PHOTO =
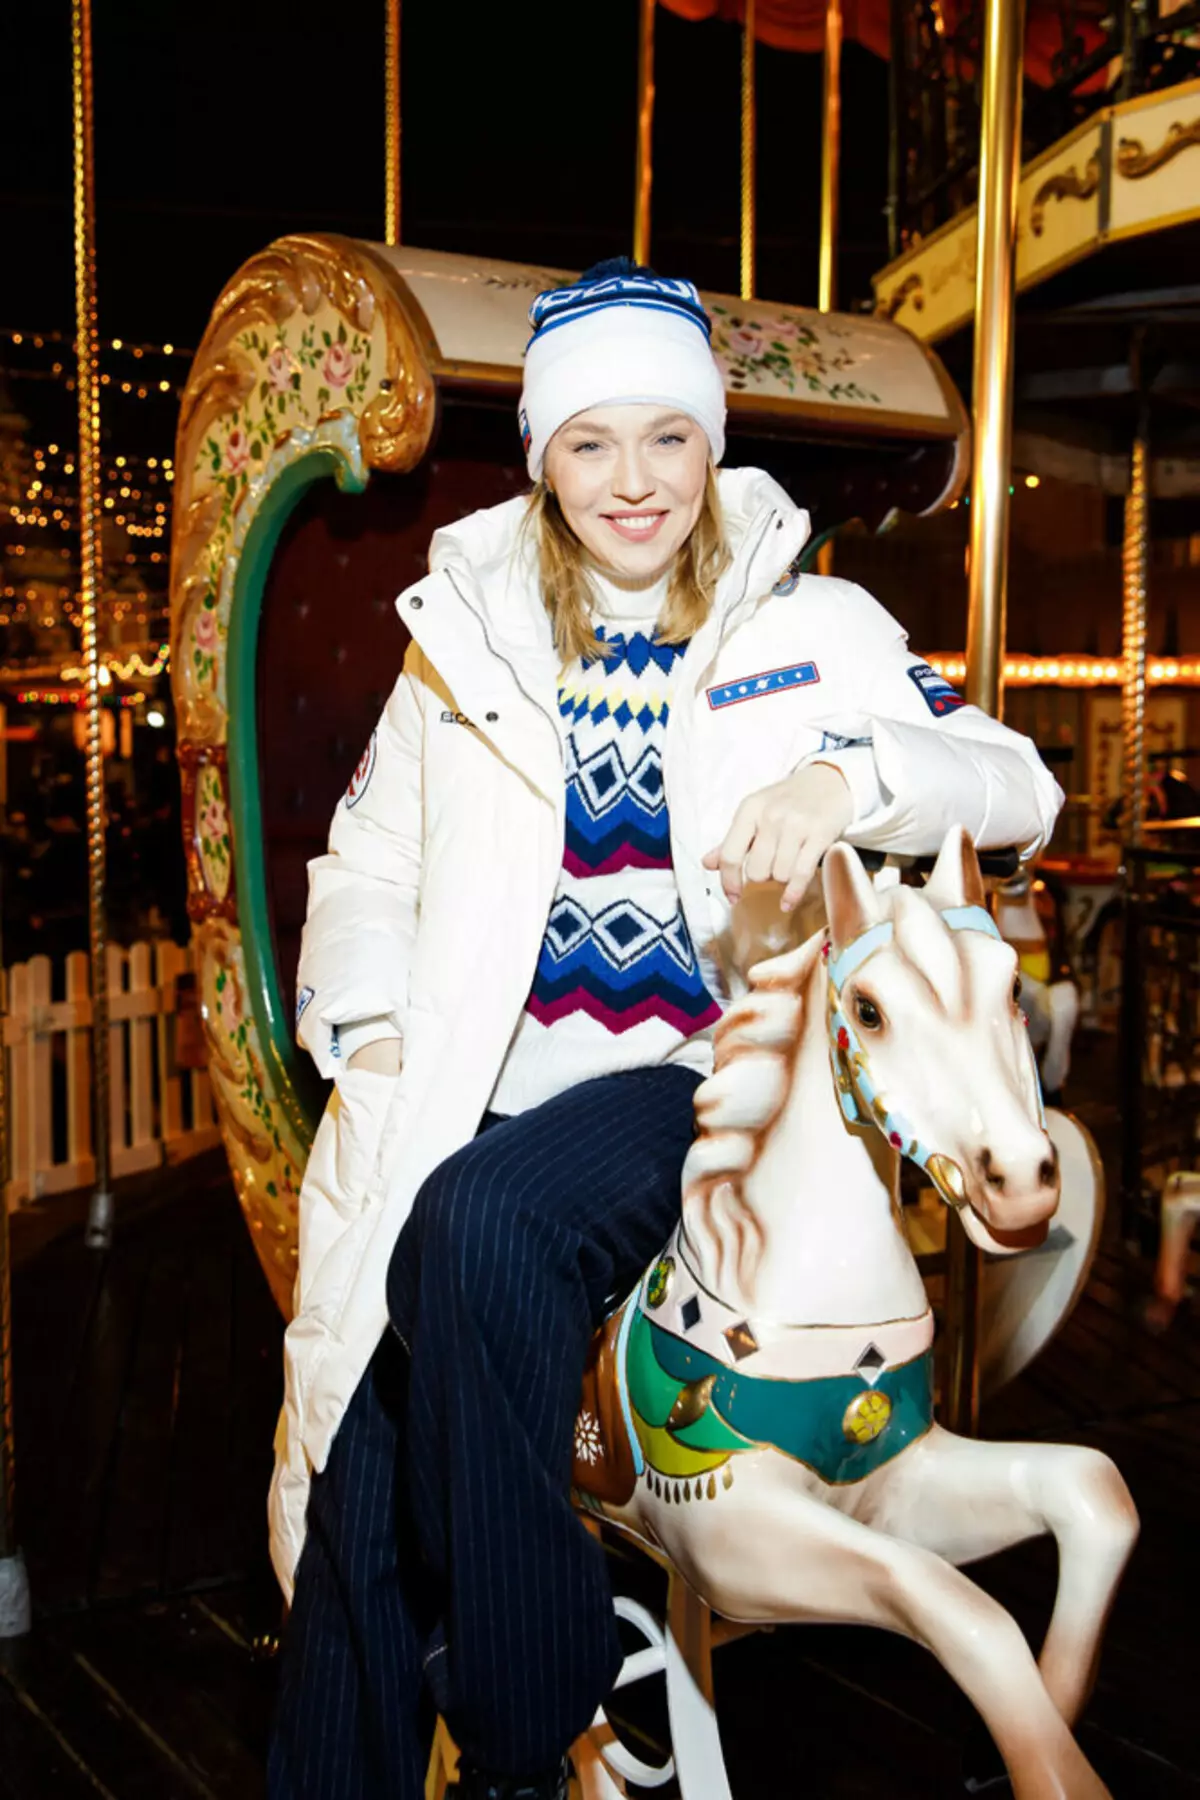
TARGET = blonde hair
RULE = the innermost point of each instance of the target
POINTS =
(569, 595)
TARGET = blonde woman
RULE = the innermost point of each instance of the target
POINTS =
(622, 703)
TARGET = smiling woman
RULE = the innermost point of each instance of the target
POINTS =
(623, 701)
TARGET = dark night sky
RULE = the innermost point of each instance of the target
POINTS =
(224, 124)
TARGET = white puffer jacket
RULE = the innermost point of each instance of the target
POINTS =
(430, 907)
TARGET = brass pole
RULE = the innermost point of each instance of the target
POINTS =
(91, 574)
(391, 77)
(831, 155)
(749, 134)
(1134, 564)
(643, 177)
(999, 174)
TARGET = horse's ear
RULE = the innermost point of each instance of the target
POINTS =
(851, 904)
(956, 880)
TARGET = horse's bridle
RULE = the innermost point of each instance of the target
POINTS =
(861, 1101)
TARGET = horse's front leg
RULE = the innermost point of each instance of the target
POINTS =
(966, 1499)
(767, 1552)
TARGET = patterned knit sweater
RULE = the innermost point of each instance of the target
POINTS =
(617, 985)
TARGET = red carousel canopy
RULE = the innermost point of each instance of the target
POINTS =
(800, 25)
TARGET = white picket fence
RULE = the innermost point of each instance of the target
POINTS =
(157, 1110)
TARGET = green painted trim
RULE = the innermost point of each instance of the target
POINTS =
(285, 1072)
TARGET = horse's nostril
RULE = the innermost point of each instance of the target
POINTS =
(993, 1176)
(1049, 1171)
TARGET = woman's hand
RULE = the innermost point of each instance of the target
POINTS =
(782, 832)
(380, 1058)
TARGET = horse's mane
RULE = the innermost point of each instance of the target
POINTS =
(755, 1048)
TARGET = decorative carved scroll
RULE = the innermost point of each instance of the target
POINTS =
(1135, 162)
(911, 288)
(1065, 184)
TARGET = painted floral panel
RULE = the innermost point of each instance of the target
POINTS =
(212, 830)
(766, 351)
(307, 370)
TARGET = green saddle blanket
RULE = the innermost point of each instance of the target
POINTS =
(692, 1413)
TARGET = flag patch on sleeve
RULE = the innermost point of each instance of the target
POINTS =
(754, 687)
(934, 690)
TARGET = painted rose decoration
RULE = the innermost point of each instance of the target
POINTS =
(788, 352)
(237, 450)
(338, 366)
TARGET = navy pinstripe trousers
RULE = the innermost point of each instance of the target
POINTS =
(444, 1566)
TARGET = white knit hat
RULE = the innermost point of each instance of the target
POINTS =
(618, 335)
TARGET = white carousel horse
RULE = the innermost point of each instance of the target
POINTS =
(758, 1415)
(1052, 1007)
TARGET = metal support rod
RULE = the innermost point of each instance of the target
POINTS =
(643, 178)
(831, 155)
(831, 158)
(749, 146)
(999, 174)
(391, 80)
(1134, 566)
(91, 574)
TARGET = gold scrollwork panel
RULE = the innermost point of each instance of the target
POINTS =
(1135, 162)
(1065, 184)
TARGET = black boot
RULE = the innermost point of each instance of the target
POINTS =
(477, 1784)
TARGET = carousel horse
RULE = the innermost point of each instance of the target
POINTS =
(758, 1415)
(1051, 1007)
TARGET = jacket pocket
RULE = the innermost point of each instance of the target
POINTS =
(364, 1102)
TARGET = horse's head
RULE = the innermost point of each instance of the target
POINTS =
(929, 1043)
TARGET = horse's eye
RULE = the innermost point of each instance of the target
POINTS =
(1016, 997)
(867, 1013)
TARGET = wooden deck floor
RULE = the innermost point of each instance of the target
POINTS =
(147, 1385)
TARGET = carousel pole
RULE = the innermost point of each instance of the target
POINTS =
(831, 156)
(391, 77)
(91, 571)
(995, 270)
(1134, 573)
(1135, 561)
(749, 136)
(14, 1579)
(643, 178)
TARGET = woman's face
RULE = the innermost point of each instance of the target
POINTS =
(630, 481)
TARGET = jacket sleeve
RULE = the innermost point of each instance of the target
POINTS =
(364, 894)
(916, 758)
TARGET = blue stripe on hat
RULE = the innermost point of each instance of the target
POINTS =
(618, 282)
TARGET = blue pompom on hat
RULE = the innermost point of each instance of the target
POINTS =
(619, 335)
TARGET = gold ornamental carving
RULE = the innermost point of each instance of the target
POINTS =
(911, 288)
(1065, 184)
(1135, 162)
(297, 281)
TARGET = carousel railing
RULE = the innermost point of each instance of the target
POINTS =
(1106, 54)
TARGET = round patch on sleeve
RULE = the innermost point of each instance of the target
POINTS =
(361, 778)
